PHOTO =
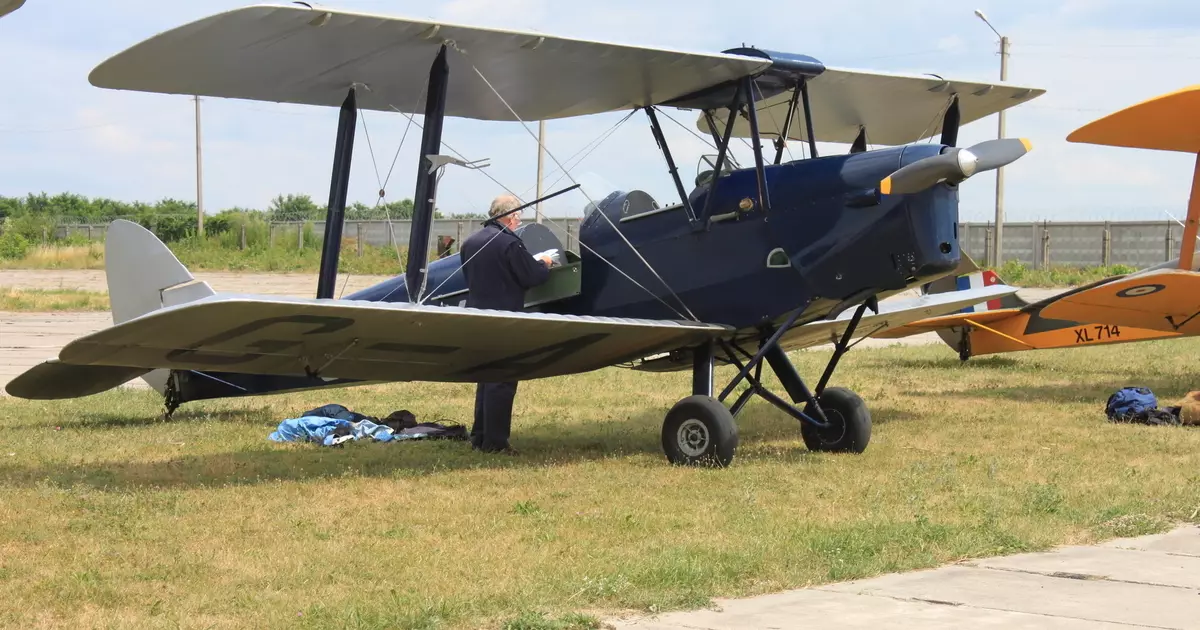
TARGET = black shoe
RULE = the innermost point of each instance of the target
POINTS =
(503, 450)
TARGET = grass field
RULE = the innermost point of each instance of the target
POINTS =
(210, 255)
(114, 518)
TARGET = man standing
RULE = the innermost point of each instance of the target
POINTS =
(499, 270)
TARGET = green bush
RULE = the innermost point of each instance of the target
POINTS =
(13, 246)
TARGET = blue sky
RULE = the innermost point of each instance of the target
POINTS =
(60, 134)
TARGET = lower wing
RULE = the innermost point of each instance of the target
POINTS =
(371, 341)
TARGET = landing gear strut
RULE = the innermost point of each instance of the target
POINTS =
(700, 430)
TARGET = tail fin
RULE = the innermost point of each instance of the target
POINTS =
(968, 275)
(143, 276)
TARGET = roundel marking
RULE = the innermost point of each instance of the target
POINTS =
(1139, 291)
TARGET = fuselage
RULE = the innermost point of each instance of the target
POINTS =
(835, 237)
(827, 241)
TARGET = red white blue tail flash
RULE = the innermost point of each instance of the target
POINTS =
(978, 280)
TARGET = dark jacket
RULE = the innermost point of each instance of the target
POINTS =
(500, 271)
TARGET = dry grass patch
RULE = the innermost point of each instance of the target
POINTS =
(113, 517)
(51, 300)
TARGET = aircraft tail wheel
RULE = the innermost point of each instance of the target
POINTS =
(850, 424)
(699, 430)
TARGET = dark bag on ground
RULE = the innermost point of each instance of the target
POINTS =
(1139, 405)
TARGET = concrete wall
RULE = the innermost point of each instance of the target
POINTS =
(1135, 243)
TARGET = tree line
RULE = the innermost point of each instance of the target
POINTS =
(36, 215)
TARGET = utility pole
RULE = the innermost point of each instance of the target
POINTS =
(1000, 171)
(541, 154)
(199, 176)
(997, 245)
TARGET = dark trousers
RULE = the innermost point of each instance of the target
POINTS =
(493, 415)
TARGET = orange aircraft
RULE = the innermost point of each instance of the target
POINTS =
(1156, 303)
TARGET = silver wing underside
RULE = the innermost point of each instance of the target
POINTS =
(311, 56)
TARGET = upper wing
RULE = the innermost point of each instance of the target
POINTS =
(1166, 300)
(1166, 123)
(375, 341)
(895, 109)
(293, 54)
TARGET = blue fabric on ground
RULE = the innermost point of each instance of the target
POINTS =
(308, 429)
(321, 429)
(333, 424)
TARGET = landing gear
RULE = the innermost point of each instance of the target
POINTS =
(701, 430)
(964, 344)
(849, 428)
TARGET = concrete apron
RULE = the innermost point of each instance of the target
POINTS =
(1144, 582)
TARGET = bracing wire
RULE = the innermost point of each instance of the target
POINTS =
(556, 224)
(581, 188)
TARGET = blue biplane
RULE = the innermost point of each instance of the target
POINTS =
(751, 263)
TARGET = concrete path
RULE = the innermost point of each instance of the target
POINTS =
(1145, 582)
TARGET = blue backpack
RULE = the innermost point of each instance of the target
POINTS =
(1130, 401)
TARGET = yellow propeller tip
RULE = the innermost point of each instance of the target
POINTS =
(885, 186)
(1028, 145)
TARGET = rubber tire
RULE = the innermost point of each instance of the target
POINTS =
(715, 427)
(851, 430)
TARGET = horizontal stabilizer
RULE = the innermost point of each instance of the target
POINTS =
(55, 380)
(376, 341)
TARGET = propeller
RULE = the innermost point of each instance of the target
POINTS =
(954, 165)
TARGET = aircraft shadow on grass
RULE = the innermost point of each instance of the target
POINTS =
(540, 445)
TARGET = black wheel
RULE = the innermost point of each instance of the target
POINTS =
(849, 420)
(699, 430)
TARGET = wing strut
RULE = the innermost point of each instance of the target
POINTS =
(427, 178)
(722, 150)
(781, 141)
(764, 195)
(656, 129)
(339, 186)
(950, 123)
(1188, 249)
(808, 121)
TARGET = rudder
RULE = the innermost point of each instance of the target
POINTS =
(144, 275)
